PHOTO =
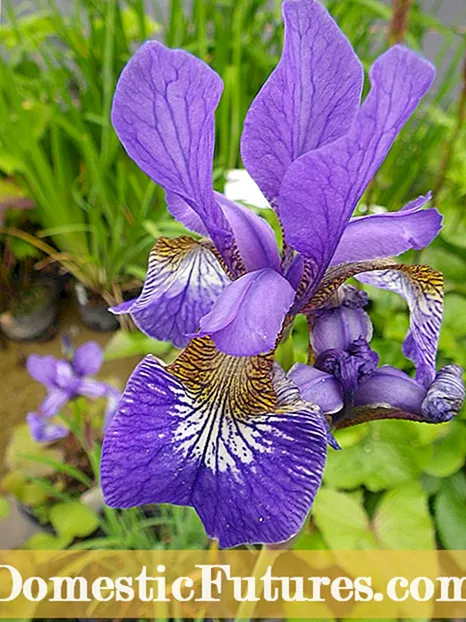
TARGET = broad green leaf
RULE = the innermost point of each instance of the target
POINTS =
(309, 540)
(450, 513)
(21, 445)
(430, 484)
(350, 436)
(46, 542)
(402, 520)
(13, 482)
(448, 452)
(73, 520)
(33, 494)
(389, 455)
(342, 521)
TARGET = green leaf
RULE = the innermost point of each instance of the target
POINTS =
(455, 314)
(342, 521)
(450, 513)
(430, 484)
(449, 452)
(33, 494)
(46, 542)
(21, 444)
(402, 520)
(61, 467)
(390, 454)
(13, 482)
(124, 344)
(73, 520)
(309, 540)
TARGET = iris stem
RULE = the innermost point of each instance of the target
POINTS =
(265, 558)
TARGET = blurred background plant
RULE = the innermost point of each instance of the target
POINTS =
(395, 484)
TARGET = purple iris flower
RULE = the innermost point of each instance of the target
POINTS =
(66, 380)
(222, 428)
(346, 383)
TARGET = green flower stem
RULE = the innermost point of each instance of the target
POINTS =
(245, 611)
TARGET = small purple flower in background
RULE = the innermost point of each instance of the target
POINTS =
(222, 428)
(66, 380)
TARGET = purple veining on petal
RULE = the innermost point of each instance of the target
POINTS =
(294, 274)
(184, 279)
(390, 234)
(183, 213)
(309, 100)
(423, 292)
(248, 315)
(445, 396)
(251, 477)
(321, 189)
(253, 237)
(163, 113)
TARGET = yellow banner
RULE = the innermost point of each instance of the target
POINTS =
(225, 584)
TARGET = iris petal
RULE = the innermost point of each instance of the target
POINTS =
(183, 213)
(391, 394)
(317, 387)
(163, 113)
(309, 100)
(43, 369)
(55, 401)
(253, 235)
(93, 388)
(445, 396)
(247, 317)
(228, 436)
(337, 328)
(322, 188)
(184, 279)
(88, 359)
(422, 288)
(387, 235)
(42, 431)
(254, 238)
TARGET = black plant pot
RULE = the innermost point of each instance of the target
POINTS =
(35, 321)
(93, 310)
